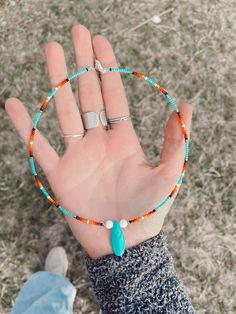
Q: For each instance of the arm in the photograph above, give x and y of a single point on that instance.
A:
(142, 281)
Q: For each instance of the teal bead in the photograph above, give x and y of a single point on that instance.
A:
(37, 119)
(117, 239)
(162, 204)
(45, 192)
(53, 92)
(31, 160)
(151, 81)
(180, 179)
(66, 212)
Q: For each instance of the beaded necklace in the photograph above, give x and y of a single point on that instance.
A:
(117, 235)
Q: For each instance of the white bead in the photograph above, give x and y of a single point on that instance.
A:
(123, 223)
(108, 224)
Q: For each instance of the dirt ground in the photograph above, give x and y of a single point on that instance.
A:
(191, 51)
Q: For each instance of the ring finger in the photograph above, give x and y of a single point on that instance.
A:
(112, 87)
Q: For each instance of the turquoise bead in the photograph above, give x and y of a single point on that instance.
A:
(151, 81)
(45, 192)
(162, 204)
(180, 179)
(117, 239)
(53, 92)
(31, 160)
(66, 212)
(37, 119)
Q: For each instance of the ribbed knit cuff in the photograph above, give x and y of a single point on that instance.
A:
(143, 280)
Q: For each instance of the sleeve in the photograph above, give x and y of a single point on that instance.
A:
(143, 280)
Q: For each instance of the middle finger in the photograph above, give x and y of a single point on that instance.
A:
(90, 95)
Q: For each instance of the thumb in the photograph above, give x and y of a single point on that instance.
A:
(172, 156)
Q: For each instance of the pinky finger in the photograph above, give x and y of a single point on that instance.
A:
(43, 151)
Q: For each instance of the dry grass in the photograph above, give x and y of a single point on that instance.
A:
(192, 53)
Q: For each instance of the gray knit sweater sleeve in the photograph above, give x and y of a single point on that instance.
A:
(143, 280)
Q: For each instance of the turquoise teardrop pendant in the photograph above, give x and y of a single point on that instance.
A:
(117, 239)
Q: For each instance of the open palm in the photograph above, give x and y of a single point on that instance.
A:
(105, 175)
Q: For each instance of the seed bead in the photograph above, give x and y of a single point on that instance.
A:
(108, 224)
(123, 223)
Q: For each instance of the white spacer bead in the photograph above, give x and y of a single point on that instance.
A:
(142, 217)
(123, 223)
(109, 224)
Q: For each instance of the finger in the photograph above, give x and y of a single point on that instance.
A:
(66, 107)
(43, 151)
(174, 143)
(113, 90)
(90, 95)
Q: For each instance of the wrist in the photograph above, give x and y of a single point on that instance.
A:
(97, 240)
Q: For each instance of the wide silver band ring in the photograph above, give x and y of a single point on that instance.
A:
(92, 119)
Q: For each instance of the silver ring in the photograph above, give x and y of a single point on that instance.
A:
(74, 135)
(120, 119)
(92, 119)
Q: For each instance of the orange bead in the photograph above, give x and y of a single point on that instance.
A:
(184, 132)
(147, 214)
(62, 83)
(161, 89)
(181, 119)
(139, 75)
(173, 191)
(184, 167)
(32, 136)
(52, 200)
(44, 105)
(38, 182)
(83, 219)
(30, 148)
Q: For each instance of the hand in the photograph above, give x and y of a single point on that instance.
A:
(104, 175)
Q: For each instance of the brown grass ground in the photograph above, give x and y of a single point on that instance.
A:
(192, 53)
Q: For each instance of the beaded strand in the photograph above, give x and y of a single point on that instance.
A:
(108, 224)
